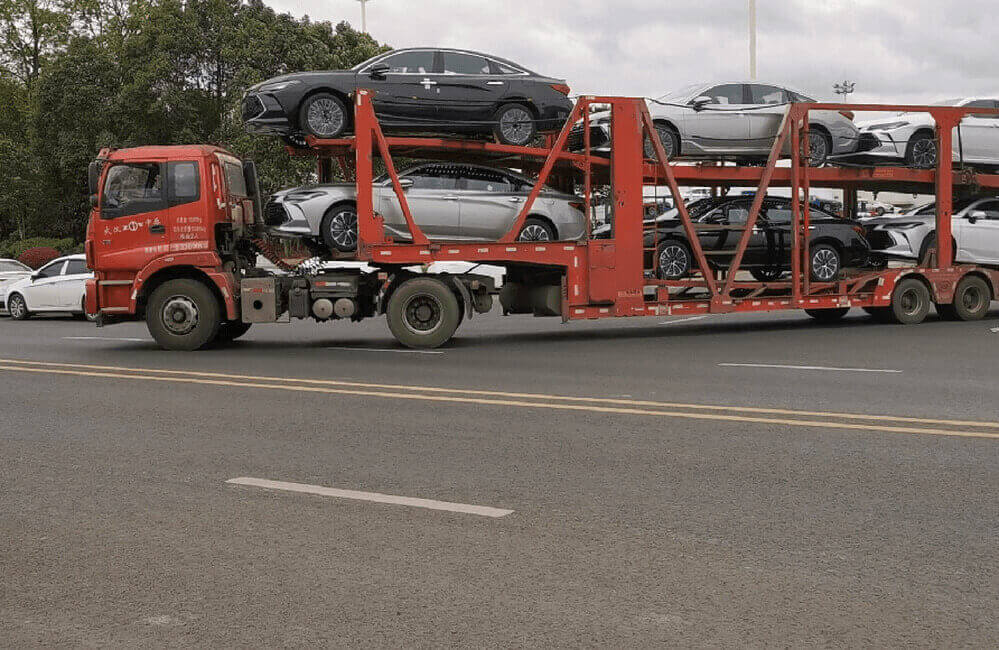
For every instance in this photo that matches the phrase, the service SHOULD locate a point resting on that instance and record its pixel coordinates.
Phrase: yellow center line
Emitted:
(504, 394)
(517, 403)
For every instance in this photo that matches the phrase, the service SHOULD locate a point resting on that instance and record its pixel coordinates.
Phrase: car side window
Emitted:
(982, 103)
(52, 270)
(498, 67)
(456, 63)
(434, 178)
(419, 62)
(762, 94)
(133, 188)
(76, 267)
(184, 182)
(737, 215)
(990, 208)
(726, 94)
(779, 214)
(484, 180)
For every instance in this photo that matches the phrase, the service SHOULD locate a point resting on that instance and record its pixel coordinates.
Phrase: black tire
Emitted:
(231, 330)
(183, 315)
(423, 313)
(514, 125)
(819, 147)
(768, 274)
(673, 260)
(826, 263)
(339, 227)
(17, 307)
(828, 315)
(323, 115)
(910, 302)
(536, 229)
(921, 152)
(670, 140)
(972, 299)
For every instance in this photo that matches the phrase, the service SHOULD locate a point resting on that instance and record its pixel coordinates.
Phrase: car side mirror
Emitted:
(975, 215)
(379, 71)
(34, 276)
(700, 102)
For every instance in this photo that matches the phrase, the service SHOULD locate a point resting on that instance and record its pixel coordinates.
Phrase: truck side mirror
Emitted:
(94, 176)
(253, 189)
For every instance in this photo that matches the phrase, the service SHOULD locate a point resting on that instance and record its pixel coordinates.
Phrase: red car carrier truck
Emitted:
(175, 233)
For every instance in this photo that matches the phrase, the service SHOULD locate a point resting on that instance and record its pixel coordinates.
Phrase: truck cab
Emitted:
(168, 213)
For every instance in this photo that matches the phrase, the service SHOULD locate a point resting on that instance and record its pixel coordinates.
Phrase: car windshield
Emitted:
(696, 209)
(680, 93)
(10, 266)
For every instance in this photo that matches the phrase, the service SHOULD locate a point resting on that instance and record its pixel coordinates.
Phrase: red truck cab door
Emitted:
(131, 223)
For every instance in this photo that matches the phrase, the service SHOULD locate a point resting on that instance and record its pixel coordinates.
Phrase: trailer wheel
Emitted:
(828, 315)
(910, 302)
(423, 313)
(183, 315)
(231, 330)
(971, 300)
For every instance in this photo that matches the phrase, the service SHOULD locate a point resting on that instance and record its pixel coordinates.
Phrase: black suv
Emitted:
(834, 243)
(418, 90)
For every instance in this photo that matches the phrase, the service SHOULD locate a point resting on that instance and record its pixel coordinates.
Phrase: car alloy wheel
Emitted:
(673, 261)
(343, 229)
(17, 308)
(818, 149)
(516, 126)
(534, 232)
(825, 264)
(666, 138)
(180, 315)
(325, 117)
(924, 153)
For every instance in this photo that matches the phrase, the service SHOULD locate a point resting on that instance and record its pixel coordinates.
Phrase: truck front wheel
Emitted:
(423, 313)
(183, 315)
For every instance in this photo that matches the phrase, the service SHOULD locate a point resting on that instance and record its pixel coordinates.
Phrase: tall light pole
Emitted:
(364, 19)
(752, 40)
(845, 89)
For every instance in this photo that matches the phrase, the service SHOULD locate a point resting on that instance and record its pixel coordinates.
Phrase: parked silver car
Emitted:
(448, 201)
(730, 120)
(10, 271)
(909, 137)
(974, 228)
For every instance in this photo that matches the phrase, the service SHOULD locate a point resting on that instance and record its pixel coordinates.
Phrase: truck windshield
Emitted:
(130, 183)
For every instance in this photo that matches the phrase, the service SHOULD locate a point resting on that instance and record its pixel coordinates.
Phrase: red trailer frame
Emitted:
(606, 277)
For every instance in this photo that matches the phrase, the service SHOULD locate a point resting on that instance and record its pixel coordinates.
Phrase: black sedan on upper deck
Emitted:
(417, 90)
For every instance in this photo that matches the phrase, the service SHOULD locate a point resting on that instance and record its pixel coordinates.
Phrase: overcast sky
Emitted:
(896, 50)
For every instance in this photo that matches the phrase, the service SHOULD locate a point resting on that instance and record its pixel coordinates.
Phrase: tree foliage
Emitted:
(77, 75)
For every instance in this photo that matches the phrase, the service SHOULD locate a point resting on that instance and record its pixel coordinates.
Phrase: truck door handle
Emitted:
(157, 229)
(494, 83)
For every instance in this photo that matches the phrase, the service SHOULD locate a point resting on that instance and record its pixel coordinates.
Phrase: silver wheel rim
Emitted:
(179, 315)
(515, 125)
(665, 138)
(325, 117)
(343, 228)
(818, 148)
(825, 264)
(16, 306)
(673, 261)
(534, 232)
(924, 153)
(423, 314)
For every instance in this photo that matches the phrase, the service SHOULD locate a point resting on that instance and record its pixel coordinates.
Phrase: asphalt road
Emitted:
(727, 481)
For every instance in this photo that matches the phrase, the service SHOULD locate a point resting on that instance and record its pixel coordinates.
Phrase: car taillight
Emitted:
(562, 88)
(847, 114)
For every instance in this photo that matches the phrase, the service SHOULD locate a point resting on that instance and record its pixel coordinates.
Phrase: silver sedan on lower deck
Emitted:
(448, 201)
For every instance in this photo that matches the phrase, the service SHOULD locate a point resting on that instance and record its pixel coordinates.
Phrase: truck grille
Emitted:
(597, 138)
(252, 107)
(275, 214)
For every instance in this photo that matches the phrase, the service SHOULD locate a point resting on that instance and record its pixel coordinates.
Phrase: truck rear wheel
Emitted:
(183, 315)
(910, 302)
(423, 313)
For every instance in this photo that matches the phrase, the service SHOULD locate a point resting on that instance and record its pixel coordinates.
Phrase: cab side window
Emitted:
(184, 182)
(234, 179)
(133, 188)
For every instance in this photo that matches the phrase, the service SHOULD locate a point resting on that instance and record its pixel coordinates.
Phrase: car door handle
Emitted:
(515, 199)
(449, 198)
(157, 229)
(494, 83)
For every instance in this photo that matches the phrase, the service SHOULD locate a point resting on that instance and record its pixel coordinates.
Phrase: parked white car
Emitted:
(59, 286)
(974, 226)
(10, 271)
(909, 136)
(730, 120)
